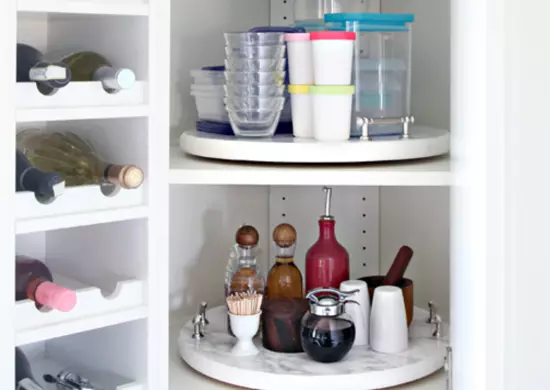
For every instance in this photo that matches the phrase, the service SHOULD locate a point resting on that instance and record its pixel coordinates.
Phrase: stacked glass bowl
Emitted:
(254, 82)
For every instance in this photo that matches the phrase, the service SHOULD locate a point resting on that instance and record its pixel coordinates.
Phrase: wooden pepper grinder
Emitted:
(284, 279)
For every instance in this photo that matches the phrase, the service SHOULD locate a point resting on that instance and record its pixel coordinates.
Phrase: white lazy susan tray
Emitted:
(361, 369)
(423, 142)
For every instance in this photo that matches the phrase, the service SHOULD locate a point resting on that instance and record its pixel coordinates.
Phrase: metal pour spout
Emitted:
(328, 198)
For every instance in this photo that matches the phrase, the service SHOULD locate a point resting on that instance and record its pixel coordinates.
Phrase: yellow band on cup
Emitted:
(298, 89)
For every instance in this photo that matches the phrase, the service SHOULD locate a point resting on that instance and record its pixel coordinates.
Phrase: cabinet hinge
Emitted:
(448, 366)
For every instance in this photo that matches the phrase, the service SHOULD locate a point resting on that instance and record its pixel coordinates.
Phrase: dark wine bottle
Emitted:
(24, 380)
(45, 185)
(32, 67)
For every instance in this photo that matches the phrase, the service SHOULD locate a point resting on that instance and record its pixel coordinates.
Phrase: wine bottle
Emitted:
(74, 159)
(24, 379)
(91, 66)
(45, 185)
(32, 67)
(34, 281)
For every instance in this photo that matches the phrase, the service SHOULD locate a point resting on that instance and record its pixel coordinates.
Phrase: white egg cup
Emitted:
(245, 328)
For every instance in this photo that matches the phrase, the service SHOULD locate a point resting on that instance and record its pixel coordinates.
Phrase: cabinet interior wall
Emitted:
(371, 222)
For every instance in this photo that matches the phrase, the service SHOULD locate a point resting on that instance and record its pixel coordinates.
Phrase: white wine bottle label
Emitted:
(115, 79)
(27, 384)
(46, 73)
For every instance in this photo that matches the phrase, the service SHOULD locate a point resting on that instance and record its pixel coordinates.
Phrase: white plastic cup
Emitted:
(300, 58)
(302, 111)
(332, 112)
(360, 311)
(388, 321)
(332, 57)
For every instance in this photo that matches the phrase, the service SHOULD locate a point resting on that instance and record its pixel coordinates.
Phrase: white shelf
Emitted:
(79, 95)
(45, 365)
(93, 309)
(80, 219)
(186, 169)
(76, 200)
(69, 114)
(98, 7)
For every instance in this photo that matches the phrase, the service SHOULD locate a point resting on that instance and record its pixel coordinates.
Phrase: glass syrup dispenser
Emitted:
(327, 262)
(327, 332)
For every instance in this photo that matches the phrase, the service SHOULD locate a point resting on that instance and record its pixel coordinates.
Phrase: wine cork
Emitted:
(247, 236)
(284, 235)
(126, 176)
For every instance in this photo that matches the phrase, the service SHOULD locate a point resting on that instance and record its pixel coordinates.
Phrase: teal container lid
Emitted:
(370, 21)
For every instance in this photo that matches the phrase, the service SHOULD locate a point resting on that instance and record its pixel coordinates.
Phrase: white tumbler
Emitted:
(359, 312)
(388, 321)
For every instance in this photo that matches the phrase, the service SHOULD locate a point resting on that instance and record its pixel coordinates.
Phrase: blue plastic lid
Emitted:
(371, 18)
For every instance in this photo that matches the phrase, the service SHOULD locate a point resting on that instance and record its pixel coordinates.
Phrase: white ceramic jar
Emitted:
(300, 58)
(332, 112)
(302, 111)
(332, 57)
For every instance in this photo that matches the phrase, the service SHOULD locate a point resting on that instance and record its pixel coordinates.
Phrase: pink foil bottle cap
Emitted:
(54, 296)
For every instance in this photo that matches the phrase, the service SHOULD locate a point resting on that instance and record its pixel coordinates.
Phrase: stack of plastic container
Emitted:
(320, 67)
(207, 89)
(254, 82)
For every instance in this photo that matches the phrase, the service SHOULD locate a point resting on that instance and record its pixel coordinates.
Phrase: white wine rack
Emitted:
(112, 249)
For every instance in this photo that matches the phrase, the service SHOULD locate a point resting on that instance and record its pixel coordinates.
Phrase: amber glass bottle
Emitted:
(284, 279)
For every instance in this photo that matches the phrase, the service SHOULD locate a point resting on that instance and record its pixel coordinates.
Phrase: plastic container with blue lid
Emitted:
(309, 14)
(382, 65)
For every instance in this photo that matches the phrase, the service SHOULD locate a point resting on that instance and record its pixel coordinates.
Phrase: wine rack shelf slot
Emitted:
(79, 95)
(55, 222)
(76, 200)
(80, 324)
(97, 7)
(91, 301)
(69, 114)
(45, 365)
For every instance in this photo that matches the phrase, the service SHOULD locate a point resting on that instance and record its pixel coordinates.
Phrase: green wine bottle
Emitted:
(91, 66)
(74, 159)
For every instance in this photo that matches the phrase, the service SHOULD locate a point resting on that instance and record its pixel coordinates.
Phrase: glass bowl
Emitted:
(235, 64)
(245, 90)
(236, 40)
(254, 123)
(257, 78)
(270, 51)
(255, 103)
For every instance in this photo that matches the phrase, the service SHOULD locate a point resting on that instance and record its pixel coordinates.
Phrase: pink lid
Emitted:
(332, 35)
(54, 296)
(297, 37)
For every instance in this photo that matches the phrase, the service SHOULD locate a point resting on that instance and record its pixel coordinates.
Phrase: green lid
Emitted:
(332, 89)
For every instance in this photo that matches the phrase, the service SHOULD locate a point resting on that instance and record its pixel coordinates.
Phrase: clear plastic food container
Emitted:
(382, 66)
(309, 14)
(208, 77)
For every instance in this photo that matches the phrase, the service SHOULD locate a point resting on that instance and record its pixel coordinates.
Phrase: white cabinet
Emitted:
(112, 249)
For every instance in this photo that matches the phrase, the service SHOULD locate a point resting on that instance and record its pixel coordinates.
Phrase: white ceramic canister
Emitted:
(302, 111)
(332, 57)
(332, 112)
(300, 58)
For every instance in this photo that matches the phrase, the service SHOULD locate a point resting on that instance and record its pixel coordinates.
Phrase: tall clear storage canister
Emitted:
(382, 67)
(309, 13)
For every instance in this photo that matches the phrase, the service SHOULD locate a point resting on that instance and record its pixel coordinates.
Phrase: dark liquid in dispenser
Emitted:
(327, 340)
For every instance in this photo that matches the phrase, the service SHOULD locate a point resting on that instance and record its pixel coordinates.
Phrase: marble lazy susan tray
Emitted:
(361, 369)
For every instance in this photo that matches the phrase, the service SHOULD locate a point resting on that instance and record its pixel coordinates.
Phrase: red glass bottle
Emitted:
(327, 262)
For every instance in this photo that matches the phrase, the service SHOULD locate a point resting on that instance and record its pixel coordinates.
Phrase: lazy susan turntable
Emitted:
(361, 369)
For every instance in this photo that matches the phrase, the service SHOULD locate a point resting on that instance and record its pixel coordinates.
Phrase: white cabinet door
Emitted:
(500, 84)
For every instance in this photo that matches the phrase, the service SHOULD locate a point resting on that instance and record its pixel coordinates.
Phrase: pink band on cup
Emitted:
(297, 37)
